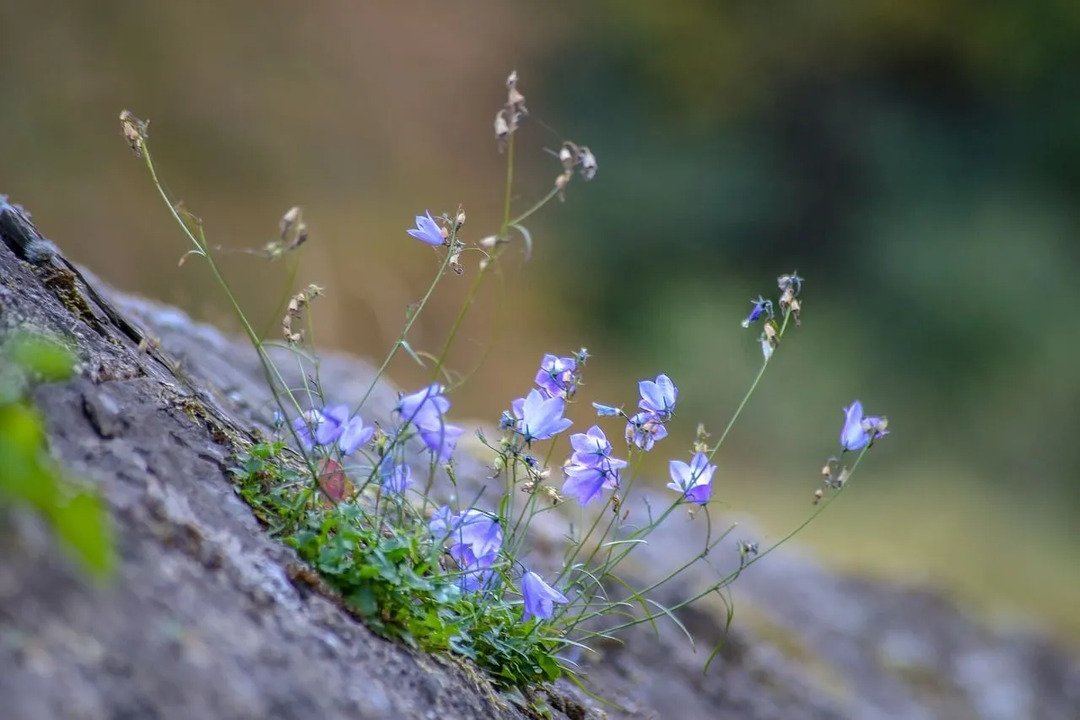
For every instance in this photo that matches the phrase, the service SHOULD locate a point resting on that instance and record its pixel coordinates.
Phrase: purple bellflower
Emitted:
(395, 477)
(556, 376)
(425, 409)
(591, 468)
(540, 598)
(354, 435)
(644, 429)
(540, 418)
(423, 406)
(761, 307)
(859, 431)
(475, 538)
(305, 425)
(322, 427)
(427, 230)
(694, 481)
(658, 397)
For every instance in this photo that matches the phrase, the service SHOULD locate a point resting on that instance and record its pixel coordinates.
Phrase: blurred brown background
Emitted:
(918, 163)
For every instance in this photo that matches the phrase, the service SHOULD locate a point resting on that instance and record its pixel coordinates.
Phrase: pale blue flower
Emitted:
(694, 481)
(354, 435)
(396, 477)
(644, 429)
(540, 598)
(659, 396)
(858, 431)
(539, 417)
(427, 230)
(556, 376)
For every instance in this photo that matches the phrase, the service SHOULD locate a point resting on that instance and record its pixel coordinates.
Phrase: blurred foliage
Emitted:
(28, 476)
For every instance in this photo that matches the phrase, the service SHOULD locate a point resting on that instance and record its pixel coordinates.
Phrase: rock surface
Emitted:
(209, 618)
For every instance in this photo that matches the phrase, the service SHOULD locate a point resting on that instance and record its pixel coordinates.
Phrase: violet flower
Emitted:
(859, 431)
(540, 598)
(644, 429)
(540, 418)
(556, 376)
(354, 434)
(761, 307)
(395, 477)
(591, 468)
(427, 230)
(694, 481)
(659, 396)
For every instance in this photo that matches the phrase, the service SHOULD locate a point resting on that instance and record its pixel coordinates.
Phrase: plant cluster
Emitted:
(376, 508)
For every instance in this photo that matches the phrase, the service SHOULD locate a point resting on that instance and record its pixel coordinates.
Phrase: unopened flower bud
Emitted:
(818, 495)
(459, 220)
(489, 242)
(502, 126)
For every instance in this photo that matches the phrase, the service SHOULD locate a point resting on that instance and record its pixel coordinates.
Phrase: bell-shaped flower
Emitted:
(305, 426)
(644, 429)
(858, 430)
(427, 230)
(694, 481)
(354, 435)
(425, 406)
(540, 418)
(658, 397)
(441, 439)
(540, 598)
(395, 477)
(762, 307)
(556, 376)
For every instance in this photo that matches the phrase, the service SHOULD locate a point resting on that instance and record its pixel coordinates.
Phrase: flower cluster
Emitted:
(591, 469)
(474, 539)
(539, 415)
(790, 285)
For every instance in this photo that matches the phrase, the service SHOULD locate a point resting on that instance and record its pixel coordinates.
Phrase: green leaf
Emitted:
(82, 522)
(41, 356)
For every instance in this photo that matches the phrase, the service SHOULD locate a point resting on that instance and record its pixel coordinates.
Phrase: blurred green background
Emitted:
(917, 162)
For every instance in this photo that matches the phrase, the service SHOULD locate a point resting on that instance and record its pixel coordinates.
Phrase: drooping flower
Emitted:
(425, 409)
(540, 418)
(658, 397)
(859, 431)
(441, 439)
(694, 481)
(333, 422)
(423, 406)
(304, 426)
(587, 482)
(644, 429)
(762, 307)
(396, 477)
(427, 230)
(540, 598)
(556, 376)
(354, 435)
